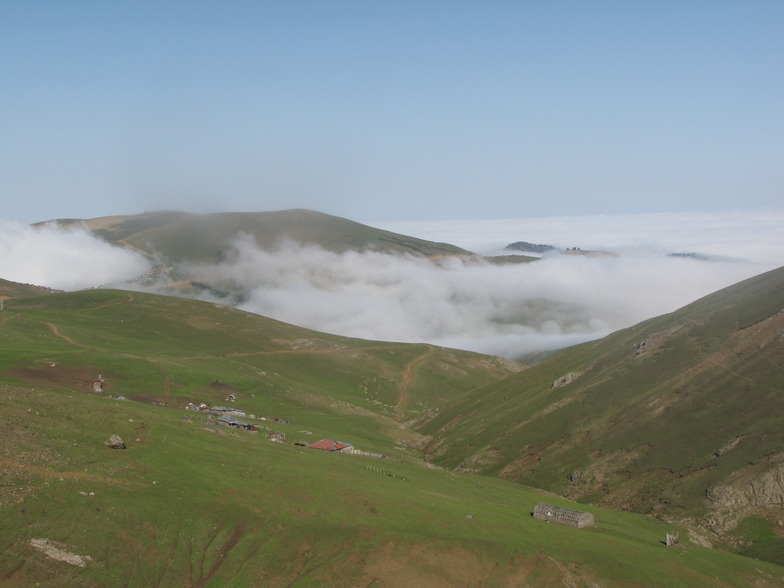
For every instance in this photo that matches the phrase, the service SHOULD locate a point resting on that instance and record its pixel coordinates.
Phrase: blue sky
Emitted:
(391, 111)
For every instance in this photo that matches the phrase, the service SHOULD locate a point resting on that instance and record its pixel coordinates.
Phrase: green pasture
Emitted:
(190, 503)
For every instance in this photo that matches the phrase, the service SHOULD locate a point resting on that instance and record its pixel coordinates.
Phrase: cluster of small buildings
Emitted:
(232, 417)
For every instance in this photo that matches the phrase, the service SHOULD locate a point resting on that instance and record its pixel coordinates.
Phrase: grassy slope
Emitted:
(178, 236)
(659, 412)
(9, 289)
(191, 504)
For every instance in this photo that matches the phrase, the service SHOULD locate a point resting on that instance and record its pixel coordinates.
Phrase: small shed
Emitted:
(231, 421)
(331, 445)
(563, 516)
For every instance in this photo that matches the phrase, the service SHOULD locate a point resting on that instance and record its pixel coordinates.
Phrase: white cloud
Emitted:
(751, 235)
(64, 259)
(506, 310)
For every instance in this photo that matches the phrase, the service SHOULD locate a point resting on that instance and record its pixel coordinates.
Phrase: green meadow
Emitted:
(193, 503)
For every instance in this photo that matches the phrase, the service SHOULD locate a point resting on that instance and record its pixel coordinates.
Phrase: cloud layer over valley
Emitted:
(508, 310)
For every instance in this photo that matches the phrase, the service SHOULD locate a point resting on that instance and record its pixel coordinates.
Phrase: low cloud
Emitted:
(63, 258)
(505, 310)
(750, 235)
(508, 310)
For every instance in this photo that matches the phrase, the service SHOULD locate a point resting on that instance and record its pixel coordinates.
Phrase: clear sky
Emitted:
(390, 111)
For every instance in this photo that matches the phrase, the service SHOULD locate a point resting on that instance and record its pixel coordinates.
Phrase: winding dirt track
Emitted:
(56, 332)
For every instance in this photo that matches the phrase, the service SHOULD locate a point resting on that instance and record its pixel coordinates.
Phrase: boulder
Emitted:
(115, 442)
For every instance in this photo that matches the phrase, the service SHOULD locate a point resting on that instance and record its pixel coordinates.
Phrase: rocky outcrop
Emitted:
(747, 493)
(52, 550)
(565, 379)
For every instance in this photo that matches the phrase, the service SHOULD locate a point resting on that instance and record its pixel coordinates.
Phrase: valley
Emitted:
(669, 427)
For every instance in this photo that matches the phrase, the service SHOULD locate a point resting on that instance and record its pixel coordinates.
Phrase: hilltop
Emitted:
(177, 237)
(190, 502)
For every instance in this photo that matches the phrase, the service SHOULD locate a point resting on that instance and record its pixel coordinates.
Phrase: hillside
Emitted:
(177, 237)
(9, 289)
(681, 417)
(191, 503)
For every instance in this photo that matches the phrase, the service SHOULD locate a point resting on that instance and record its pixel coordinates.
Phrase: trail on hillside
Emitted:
(304, 351)
(407, 382)
(11, 465)
(130, 298)
(56, 332)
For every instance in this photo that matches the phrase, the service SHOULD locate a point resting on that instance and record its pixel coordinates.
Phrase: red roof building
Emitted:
(331, 445)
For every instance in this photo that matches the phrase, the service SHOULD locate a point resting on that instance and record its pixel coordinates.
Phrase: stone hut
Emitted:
(231, 421)
(563, 516)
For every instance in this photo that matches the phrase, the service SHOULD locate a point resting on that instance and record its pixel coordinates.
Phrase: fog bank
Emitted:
(63, 258)
(505, 310)
(508, 310)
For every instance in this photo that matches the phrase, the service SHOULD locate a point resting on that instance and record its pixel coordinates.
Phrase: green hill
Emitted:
(180, 236)
(9, 289)
(681, 417)
(193, 503)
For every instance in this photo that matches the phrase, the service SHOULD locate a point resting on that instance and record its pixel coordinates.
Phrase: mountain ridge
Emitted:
(181, 236)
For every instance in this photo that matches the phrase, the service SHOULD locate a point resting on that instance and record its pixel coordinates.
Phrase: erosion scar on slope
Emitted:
(407, 382)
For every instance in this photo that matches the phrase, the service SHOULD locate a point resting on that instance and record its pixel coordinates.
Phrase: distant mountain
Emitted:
(176, 237)
(681, 417)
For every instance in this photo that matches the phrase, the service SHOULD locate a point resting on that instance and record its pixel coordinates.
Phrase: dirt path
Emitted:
(56, 332)
(407, 382)
(130, 298)
(12, 465)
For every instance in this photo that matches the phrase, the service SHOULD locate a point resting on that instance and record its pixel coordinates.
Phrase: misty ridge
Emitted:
(466, 303)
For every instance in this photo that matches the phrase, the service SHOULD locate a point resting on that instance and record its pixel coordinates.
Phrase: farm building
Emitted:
(330, 445)
(563, 516)
(231, 421)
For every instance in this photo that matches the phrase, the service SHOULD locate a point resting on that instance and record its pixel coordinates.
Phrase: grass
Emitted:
(189, 503)
(710, 373)
(179, 236)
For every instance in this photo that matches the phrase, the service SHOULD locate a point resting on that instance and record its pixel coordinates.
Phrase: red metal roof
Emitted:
(329, 445)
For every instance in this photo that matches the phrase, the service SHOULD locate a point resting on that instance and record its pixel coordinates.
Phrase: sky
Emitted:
(398, 111)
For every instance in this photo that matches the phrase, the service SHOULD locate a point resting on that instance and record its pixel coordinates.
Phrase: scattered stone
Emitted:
(115, 442)
(51, 550)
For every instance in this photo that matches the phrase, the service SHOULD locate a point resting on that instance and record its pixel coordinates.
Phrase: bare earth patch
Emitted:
(50, 549)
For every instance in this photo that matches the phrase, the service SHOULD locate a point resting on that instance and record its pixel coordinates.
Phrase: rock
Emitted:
(51, 550)
(115, 442)
(565, 379)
